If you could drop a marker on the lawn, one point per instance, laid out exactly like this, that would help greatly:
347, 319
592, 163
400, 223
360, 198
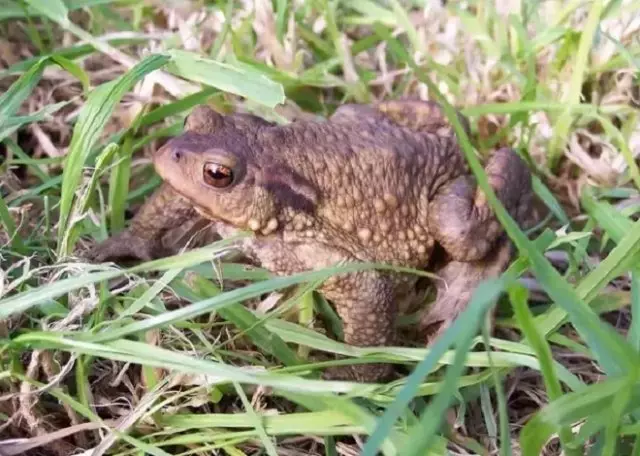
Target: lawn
198, 353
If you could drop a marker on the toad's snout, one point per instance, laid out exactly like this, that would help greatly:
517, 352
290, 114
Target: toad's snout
166, 158
168, 152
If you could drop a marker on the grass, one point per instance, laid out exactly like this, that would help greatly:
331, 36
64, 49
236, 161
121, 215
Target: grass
197, 353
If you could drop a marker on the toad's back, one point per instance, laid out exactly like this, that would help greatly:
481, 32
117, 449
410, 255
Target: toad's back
373, 180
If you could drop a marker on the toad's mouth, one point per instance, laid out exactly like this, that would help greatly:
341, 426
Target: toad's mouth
206, 214
164, 166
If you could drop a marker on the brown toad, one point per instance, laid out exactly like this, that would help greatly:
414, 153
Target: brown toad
381, 183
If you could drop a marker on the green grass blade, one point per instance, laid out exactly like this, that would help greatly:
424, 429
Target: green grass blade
73, 68
10, 227
505, 437
53, 9
518, 295
323, 421
246, 321
11, 100
12, 124
423, 435
623, 257
595, 400
256, 421
236, 79
222, 300
462, 330
30, 298
177, 107
151, 355
92, 119
561, 129
634, 330
354, 412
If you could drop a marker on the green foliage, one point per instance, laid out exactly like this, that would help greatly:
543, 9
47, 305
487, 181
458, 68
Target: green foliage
461, 370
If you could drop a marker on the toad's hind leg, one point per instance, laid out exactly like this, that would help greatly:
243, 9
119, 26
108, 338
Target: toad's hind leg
366, 303
462, 220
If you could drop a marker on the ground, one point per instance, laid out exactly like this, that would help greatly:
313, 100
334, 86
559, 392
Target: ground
201, 354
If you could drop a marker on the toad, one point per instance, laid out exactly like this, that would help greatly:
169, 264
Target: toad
383, 183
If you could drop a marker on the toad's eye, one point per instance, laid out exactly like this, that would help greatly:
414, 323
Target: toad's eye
217, 175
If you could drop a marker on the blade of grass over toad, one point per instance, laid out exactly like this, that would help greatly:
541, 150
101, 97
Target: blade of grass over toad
228, 78
95, 114
423, 434
608, 346
506, 356
462, 330
561, 129
221, 300
150, 355
236, 313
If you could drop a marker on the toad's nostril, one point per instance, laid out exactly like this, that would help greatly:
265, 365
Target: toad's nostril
176, 155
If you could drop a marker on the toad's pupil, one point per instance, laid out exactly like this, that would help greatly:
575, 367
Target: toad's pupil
217, 175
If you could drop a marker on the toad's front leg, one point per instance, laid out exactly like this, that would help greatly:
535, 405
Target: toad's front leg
144, 239
366, 303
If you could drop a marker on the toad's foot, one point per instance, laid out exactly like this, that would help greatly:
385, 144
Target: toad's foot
459, 281
155, 231
124, 246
